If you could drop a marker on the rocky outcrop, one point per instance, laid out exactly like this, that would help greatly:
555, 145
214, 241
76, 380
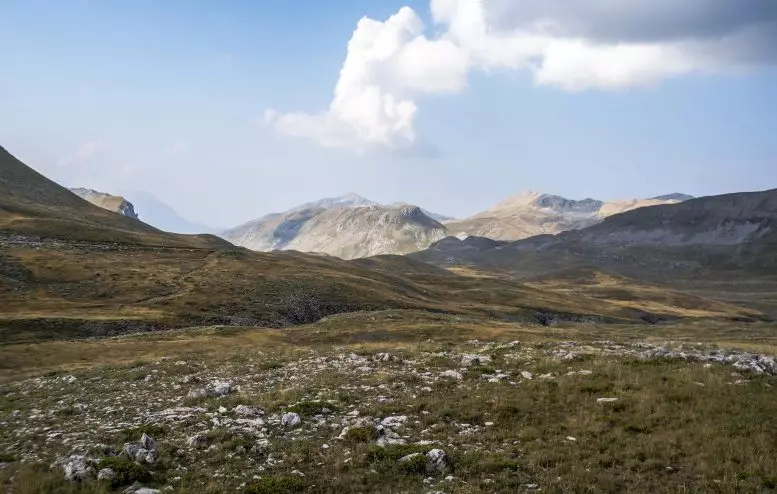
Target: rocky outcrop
117, 204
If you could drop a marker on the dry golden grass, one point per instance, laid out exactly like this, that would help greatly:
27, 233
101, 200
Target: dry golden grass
364, 331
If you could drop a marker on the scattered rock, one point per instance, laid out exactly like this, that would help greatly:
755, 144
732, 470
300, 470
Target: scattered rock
221, 388
290, 419
436, 460
452, 374
197, 393
394, 421
606, 400
527, 375
76, 467
106, 474
147, 442
197, 441
247, 411
470, 359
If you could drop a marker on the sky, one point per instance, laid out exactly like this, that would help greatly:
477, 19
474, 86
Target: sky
230, 110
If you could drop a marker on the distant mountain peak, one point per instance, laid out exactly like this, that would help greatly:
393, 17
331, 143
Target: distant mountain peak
531, 213
347, 226
349, 200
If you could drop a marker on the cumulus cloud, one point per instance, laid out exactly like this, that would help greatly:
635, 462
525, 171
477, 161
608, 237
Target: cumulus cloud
572, 45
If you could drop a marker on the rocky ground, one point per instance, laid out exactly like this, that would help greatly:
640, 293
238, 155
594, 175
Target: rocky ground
477, 417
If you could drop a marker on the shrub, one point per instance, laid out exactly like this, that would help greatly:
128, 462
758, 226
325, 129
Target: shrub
127, 471
277, 484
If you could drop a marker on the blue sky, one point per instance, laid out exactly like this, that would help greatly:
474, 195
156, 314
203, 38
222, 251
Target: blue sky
170, 98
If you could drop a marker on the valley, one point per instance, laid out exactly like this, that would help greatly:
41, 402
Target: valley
140, 361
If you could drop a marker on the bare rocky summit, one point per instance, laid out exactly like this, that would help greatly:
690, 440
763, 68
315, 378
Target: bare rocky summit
534, 213
348, 227
117, 204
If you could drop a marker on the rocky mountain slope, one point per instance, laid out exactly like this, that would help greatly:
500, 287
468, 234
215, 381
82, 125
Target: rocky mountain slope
533, 213
342, 230
32, 206
721, 246
117, 204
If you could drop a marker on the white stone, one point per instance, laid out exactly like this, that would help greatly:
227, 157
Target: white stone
394, 421
221, 388
247, 411
452, 374
436, 460
606, 400
76, 467
106, 474
290, 419
526, 375
474, 359
196, 441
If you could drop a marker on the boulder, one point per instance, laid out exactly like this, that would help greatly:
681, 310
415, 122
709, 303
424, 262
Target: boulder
77, 467
474, 359
437, 461
247, 411
221, 388
106, 474
452, 374
197, 441
290, 419
394, 421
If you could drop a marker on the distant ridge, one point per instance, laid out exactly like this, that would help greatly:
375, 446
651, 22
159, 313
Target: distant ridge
33, 205
534, 213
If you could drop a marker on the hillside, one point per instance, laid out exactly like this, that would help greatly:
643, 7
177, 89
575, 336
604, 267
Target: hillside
117, 204
342, 230
32, 205
720, 247
533, 213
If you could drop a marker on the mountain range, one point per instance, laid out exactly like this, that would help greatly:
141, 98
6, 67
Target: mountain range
352, 226
533, 213
701, 244
705, 257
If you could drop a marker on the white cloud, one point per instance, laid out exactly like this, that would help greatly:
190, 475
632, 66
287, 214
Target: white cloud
603, 45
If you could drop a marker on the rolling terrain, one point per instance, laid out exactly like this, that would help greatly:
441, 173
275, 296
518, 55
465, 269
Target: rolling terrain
70, 269
719, 247
135, 360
